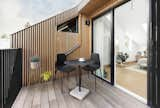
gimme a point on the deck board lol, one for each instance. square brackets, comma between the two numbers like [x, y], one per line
[49, 95]
[37, 97]
[29, 98]
[44, 96]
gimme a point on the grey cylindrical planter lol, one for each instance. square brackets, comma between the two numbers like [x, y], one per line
[34, 65]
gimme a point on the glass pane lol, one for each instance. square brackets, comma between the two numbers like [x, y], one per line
[131, 22]
[102, 32]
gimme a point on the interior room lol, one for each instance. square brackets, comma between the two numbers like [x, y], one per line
[131, 35]
[102, 35]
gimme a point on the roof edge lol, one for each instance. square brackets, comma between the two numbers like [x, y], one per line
[78, 6]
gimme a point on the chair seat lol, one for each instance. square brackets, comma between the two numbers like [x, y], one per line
[66, 68]
[91, 67]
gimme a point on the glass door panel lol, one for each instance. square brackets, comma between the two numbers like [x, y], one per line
[131, 35]
[102, 34]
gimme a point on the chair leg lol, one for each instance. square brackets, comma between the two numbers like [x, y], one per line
[62, 82]
[88, 75]
[68, 76]
[95, 80]
[54, 78]
[76, 79]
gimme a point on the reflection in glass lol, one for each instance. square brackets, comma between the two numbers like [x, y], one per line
[131, 47]
[102, 32]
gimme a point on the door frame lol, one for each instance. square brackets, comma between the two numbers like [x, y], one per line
[154, 62]
[149, 85]
[112, 39]
[112, 43]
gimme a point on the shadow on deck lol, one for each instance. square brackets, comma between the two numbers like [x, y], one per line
[48, 95]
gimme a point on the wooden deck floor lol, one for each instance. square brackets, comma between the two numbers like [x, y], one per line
[48, 95]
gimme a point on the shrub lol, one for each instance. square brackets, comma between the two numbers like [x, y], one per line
[46, 76]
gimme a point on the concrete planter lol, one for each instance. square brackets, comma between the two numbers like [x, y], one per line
[34, 65]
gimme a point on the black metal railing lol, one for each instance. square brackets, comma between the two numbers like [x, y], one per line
[10, 76]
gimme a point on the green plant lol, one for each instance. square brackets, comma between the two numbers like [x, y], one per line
[35, 59]
[46, 76]
[4, 36]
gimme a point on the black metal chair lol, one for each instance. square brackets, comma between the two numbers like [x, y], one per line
[93, 65]
[62, 67]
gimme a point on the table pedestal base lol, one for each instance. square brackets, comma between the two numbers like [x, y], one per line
[79, 94]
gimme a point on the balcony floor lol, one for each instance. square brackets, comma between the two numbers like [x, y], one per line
[48, 95]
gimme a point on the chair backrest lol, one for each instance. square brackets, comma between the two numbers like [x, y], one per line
[61, 58]
[95, 58]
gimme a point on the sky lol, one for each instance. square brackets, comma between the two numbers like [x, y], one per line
[14, 14]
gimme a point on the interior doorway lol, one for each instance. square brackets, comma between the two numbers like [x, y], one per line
[120, 36]
[131, 23]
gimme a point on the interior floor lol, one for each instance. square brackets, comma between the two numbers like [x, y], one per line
[107, 70]
[49, 95]
[132, 78]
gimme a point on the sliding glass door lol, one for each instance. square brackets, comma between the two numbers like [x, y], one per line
[121, 37]
[131, 49]
[102, 40]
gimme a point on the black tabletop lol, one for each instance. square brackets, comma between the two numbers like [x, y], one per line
[77, 62]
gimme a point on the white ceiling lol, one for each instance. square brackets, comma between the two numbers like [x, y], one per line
[132, 18]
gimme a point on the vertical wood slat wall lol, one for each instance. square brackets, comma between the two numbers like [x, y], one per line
[40, 40]
[85, 50]
[66, 41]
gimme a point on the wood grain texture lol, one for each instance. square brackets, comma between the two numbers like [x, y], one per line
[85, 38]
[49, 95]
[132, 80]
[106, 6]
[65, 41]
[40, 40]
[43, 40]
[95, 7]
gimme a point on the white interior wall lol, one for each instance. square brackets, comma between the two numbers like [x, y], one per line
[131, 21]
[102, 38]
[131, 35]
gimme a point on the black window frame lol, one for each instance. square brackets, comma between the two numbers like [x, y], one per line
[69, 23]
[153, 75]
